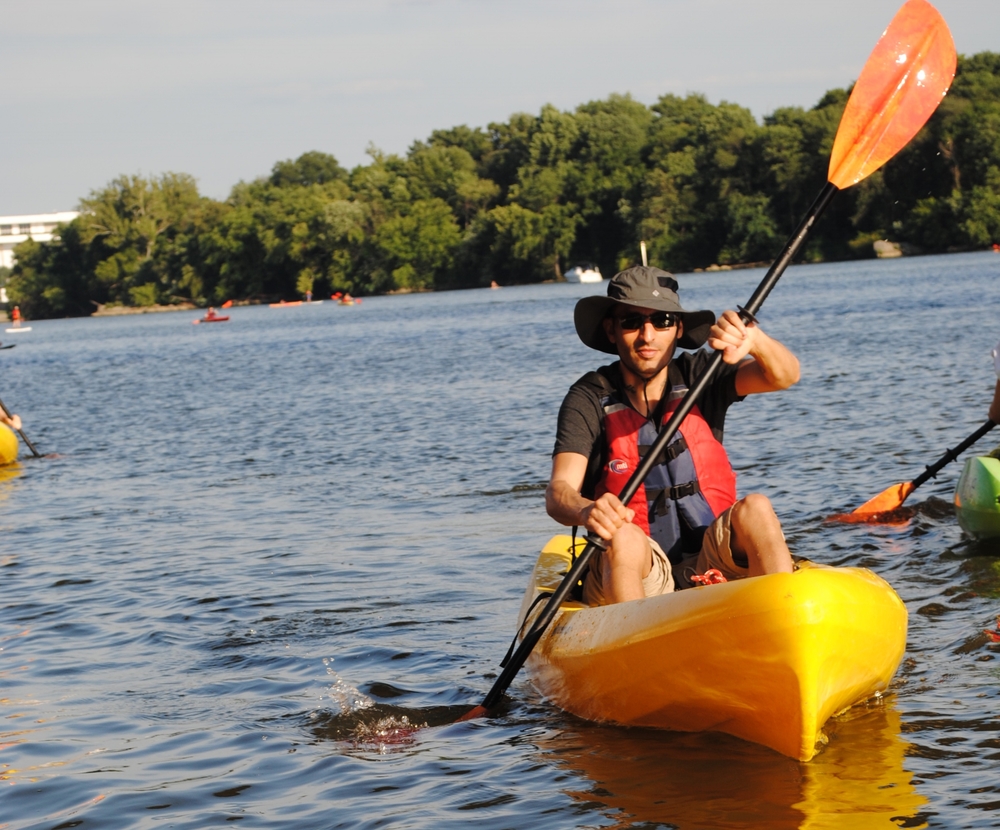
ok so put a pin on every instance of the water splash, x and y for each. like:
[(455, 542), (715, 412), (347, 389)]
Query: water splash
[(361, 722), (385, 732), (343, 694)]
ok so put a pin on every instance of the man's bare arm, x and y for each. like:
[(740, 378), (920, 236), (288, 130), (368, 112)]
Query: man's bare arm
[(564, 503), (772, 365)]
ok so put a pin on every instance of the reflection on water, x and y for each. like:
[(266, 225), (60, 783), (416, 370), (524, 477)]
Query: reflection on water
[(860, 780), (661, 778), (8, 472)]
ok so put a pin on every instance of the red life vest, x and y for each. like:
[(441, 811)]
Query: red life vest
[(691, 484)]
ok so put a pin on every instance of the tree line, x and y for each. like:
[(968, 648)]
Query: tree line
[(521, 200)]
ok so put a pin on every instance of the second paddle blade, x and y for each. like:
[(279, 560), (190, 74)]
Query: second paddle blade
[(904, 80), (889, 499)]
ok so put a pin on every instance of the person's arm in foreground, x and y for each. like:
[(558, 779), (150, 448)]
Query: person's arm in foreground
[(772, 365), (564, 503)]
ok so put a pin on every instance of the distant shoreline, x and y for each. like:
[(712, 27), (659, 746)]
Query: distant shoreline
[(122, 310), (117, 310)]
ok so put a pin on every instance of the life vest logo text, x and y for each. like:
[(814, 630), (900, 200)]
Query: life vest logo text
[(618, 466)]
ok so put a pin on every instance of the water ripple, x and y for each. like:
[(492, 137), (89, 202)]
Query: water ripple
[(273, 563)]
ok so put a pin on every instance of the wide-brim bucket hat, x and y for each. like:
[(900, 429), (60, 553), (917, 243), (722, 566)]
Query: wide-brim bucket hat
[(645, 287)]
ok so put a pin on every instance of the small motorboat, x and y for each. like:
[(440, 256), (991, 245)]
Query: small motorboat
[(584, 272), (768, 659), (977, 497)]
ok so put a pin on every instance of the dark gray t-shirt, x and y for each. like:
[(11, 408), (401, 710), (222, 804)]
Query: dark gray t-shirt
[(581, 415)]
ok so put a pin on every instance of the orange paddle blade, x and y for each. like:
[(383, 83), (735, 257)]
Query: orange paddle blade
[(889, 499), (904, 80)]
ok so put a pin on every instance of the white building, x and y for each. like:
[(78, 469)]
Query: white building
[(39, 226)]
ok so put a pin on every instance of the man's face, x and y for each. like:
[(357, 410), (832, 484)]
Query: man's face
[(645, 350)]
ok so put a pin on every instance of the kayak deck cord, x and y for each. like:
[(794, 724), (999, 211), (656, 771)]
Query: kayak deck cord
[(520, 631)]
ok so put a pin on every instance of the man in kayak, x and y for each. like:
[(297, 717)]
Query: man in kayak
[(685, 520)]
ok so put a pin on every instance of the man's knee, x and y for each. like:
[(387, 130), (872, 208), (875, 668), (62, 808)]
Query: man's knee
[(753, 511), (629, 546)]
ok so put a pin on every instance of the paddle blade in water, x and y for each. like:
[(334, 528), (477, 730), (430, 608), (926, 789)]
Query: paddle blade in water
[(901, 85), (888, 499), (879, 510)]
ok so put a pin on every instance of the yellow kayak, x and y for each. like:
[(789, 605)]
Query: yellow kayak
[(768, 659), (8, 445)]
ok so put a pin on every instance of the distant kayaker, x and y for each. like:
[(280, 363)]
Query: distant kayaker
[(686, 518), (309, 296), (15, 316), (210, 314)]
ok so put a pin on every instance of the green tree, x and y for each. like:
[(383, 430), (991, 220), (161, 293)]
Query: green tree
[(449, 173), (137, 230), (607, 174), (414, 249), (53, 279), (271, 239), (701, 153), (308, 169)]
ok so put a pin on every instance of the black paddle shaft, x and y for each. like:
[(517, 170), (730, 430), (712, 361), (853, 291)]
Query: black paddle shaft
[(594, 543), (21, 432), (951, 455)]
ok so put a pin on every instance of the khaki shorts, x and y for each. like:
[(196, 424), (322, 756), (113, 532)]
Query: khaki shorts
[(716, 552)]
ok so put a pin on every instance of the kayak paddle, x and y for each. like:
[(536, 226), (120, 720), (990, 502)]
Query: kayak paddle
[(20, 432), (901, 85), (893, 497)]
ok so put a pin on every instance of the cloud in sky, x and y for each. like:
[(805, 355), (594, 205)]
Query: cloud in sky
[(223, 89)]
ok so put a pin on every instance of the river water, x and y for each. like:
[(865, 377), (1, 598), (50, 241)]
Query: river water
[(255, 538)]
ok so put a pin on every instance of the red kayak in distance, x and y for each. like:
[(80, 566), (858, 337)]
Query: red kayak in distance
[(219, 318)]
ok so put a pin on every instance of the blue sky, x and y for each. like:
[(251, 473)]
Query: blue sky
[(222, 89)]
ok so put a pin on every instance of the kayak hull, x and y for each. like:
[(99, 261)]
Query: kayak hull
[(977, 497), (8, 445), (768, 659)]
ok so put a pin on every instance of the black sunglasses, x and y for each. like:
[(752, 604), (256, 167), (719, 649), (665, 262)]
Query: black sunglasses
[(661, 320)]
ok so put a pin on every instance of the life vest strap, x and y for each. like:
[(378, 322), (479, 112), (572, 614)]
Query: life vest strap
[(658, 498), (669, 453)]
